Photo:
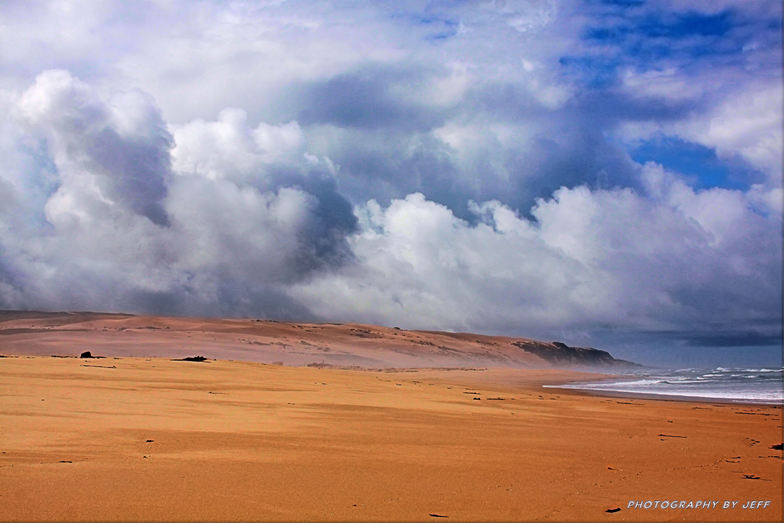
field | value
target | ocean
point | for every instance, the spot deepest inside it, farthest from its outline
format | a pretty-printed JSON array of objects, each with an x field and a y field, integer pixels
[{"x": 742, "y": 385}]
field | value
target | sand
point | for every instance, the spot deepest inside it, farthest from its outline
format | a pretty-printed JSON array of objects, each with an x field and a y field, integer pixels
[
  {"x": 154, "y": 439},
  {"x": 291, "y": 343}
]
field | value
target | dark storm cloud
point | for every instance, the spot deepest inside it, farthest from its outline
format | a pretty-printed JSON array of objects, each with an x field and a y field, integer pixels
[
  {"x": 234, "y": 298},
  {"x": 733, "y": 339},
  {"x": 536, "y": 158},
  {"x": 366, "y": 99}
]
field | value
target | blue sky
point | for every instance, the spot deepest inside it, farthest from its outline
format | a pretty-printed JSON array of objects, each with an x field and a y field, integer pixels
[{"x": 605, "y": 173}]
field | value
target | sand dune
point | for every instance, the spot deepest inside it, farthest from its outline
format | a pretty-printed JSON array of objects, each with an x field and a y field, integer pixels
[{"x": 270, "y": 341}]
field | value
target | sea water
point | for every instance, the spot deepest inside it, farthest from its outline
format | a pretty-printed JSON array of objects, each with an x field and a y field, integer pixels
[{"x": 752, "y": 385}]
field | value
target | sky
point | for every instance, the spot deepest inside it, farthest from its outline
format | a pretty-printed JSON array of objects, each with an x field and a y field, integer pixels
[{"x": 606, "y": 173}]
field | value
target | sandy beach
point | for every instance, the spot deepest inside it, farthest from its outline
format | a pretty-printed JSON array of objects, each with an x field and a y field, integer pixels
[{"x": 155, "y": 439}]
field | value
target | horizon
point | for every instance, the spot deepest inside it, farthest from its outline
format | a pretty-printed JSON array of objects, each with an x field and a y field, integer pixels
[{"x": 603, "y": 173}]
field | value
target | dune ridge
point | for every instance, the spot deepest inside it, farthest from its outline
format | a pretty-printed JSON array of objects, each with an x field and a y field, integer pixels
[{"x": 290, "y": 343}]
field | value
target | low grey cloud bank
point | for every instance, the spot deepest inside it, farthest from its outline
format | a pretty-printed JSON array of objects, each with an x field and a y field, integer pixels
[{"x": 469, "y": 167}]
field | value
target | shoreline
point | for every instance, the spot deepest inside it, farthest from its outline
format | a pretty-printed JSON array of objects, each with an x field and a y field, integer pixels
[
  {"x": 616, "y": 386},
  {"x": 666, "y": 397}
]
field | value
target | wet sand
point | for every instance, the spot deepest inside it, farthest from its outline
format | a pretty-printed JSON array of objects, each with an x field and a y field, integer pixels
[{"x": 154, "y": 439}]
